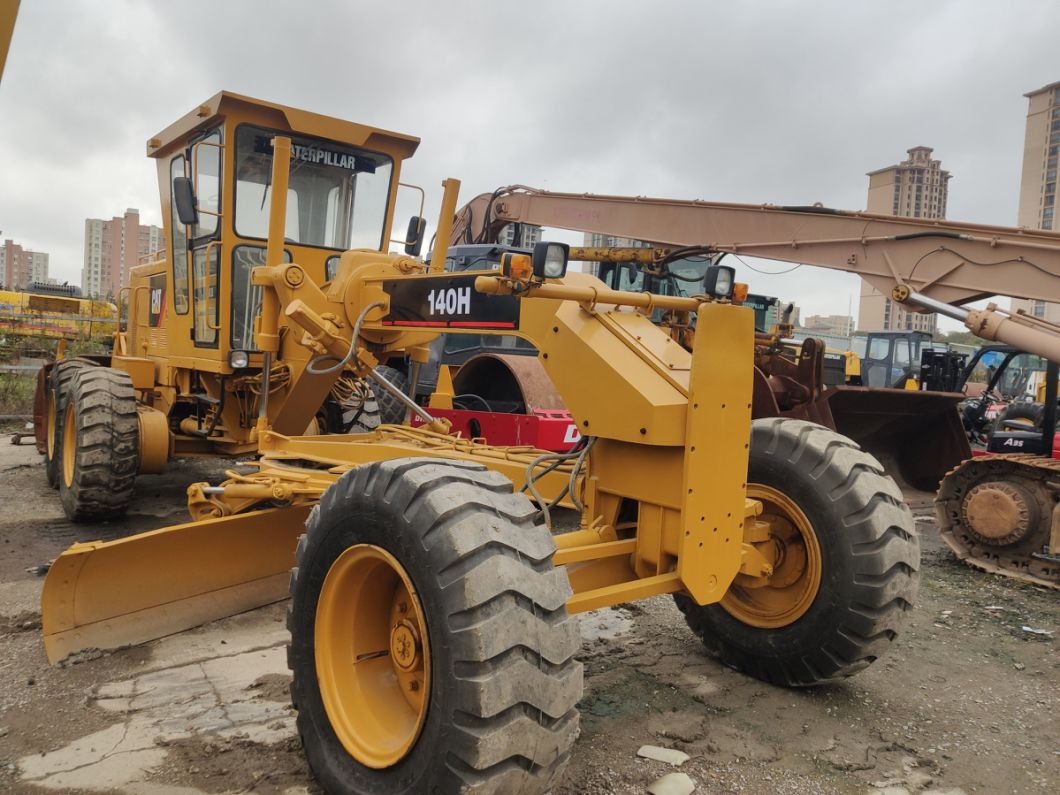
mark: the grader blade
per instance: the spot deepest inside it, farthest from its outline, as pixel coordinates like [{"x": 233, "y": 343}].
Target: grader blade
[
  {"x": 917, "y": 436},
  {"x": 107, "y": 595}
]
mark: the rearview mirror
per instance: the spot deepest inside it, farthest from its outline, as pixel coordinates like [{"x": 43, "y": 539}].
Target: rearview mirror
[
  {"x": 414, "y": 236},
  {"x": 184, "y": 196}
]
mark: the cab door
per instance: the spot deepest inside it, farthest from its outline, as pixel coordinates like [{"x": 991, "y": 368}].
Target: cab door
[{"x": 206, "y": 159}]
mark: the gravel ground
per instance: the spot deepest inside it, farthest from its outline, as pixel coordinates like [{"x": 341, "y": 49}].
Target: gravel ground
[{"x": 965, "y": 702}]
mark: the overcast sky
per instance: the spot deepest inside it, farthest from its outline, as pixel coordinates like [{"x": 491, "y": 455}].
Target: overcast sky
[{"x": 783, "y": 102}]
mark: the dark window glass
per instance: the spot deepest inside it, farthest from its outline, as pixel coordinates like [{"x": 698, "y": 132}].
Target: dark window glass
[
  {"x": 246, "y": 298},
  {"x": 336, "y": 196},
  {"x": 204, "y": 294},
  {"x": 206, "y": 157},
  {"x": 331, "y": 267}
]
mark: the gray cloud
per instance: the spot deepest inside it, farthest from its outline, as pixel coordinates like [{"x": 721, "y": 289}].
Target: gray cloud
[{"x": 781, "y": 102}]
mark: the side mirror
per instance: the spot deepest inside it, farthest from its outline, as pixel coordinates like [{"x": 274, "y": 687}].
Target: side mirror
[
  {"x": 414, "y": 235},
  {"x": 184, "y": 196}
]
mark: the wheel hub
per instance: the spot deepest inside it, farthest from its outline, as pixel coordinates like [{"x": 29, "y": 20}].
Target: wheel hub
[
  {"x": 791, "y": 587},
  {"x": 999, "y": 514},
  {"x": 405, "y": 646}
]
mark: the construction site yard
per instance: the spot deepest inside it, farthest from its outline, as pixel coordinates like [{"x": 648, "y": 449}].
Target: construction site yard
[{"x": 967, "y": 701}]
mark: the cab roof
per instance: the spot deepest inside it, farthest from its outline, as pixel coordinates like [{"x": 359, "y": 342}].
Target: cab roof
[{"x": 225, "y": 104}]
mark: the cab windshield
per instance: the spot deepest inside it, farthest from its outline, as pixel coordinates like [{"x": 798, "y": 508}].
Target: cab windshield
[{"x": 336, "y": 197}]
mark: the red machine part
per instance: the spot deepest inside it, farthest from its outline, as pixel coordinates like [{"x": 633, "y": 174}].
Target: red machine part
[{"x": 545, "y": 429}]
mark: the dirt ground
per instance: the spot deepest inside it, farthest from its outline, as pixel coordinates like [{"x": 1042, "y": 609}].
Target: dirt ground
[{"x": 967, "y": 701}]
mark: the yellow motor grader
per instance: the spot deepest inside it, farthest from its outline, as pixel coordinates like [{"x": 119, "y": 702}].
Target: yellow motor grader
[
  {"x": 433, "y": 647},
  {"x": 432, "y": 642}
]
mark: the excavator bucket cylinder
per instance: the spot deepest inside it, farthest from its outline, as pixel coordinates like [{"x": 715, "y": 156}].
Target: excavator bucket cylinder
[{"x": 107, "y": 595}]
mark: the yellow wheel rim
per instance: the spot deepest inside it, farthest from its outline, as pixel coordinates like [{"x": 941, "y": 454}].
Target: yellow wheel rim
[
  {"x": 49, "y": 413},
  {"x": 791, "y": 588},
  {"x": 373, "y": 659},
  {"x": 69, "y": 443}
]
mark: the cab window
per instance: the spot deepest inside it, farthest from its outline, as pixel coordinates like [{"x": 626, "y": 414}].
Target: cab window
[
  {"x": 246, "y": 297},
  {"x": 206, "y": 158},
  {"x": 204, "y": 269},
  {"x": 337, "y": 195}
]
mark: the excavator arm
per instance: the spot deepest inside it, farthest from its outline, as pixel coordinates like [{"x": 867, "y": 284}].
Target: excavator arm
[{"x": 929, "y": 265}]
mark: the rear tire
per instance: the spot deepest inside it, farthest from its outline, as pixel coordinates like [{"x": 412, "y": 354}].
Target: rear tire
[
  {"x": 58, "y": 386},
  {"x": 503, "y": 685},
  {"x": 100, "y": 445},
  {"x": 869, "y": 562}
]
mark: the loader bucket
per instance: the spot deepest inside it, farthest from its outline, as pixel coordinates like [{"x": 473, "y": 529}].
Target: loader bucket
[
  {"x": 107, "y": 595},
  {"x": 917, "y": 436}
]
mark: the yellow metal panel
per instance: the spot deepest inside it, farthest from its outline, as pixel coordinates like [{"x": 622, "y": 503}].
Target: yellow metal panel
[
  {"x": 140, "y": 370},
  {"x": 718, "y": 437},
  {"x": 641, "y": 472},
  {"x": 624, "y": 592},
  {"x": 610, "y": 382},
  {"x": 607, "y": 549}
]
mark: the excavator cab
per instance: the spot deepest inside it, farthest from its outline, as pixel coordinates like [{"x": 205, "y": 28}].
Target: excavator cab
[{"x": 892, "y": 358}]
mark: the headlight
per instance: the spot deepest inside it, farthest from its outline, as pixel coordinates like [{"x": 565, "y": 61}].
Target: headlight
[
  {"x": 719, "y": 280},
  {"x": 550, "y": 260},
  {"x": 237, "y": 360}
]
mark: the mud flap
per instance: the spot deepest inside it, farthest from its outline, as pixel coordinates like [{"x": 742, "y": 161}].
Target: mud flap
[
  {"x": 917, "y": 436},
  {"x": 107, "y": 595}
]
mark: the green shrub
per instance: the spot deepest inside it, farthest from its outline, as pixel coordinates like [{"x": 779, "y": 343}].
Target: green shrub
[{"x": 16, "y": 393}]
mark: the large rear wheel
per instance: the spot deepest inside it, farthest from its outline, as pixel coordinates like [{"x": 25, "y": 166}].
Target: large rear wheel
[
  {"x": 58, "y": 387},
  {"x": 100, "y": 445},
  {"x": 846, "y": 562},
  {"x": 430, "y": 647}
]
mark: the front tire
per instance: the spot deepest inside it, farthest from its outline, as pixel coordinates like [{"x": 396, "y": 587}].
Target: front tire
[
  {"x": 856, "y": 562},
  {"x": 100, "y": 445},
  {"x": 494, "y": 704}
]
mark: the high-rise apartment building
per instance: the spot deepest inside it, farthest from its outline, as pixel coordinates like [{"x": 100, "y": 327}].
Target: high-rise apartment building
[
  {"x": 915, "y": 188},
  {"x": 520, "y": 235},
  {"x": 1037, "y": 208},
  {"x": 20, "y": 267},
  {"x": 112, "y": 248}
]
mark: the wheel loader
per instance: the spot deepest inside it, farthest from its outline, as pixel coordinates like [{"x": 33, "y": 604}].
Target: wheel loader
[{"x": 433, "y": 647}]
